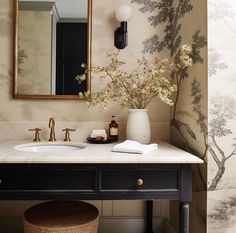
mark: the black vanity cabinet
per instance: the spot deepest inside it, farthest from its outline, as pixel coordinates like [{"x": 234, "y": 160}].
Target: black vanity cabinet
[{"x": 100, "y": 182}]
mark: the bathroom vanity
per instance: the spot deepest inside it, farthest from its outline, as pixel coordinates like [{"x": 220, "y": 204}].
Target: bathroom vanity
[{"x": 97, "y": 173}]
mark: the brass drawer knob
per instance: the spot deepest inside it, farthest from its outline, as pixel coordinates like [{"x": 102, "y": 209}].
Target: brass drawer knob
[{"x": 140, "y": 182}]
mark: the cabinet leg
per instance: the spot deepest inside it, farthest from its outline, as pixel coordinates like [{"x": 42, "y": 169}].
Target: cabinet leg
[
  {"x": 149, "y": 217},
  {"x": 184, "y": 217}
]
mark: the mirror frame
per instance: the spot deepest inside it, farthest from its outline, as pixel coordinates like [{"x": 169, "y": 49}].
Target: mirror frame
[{"x": 15, "y": 59}]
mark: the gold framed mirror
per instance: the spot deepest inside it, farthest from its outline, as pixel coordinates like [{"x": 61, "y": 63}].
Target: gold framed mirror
[{"x": 52, "y": 39}]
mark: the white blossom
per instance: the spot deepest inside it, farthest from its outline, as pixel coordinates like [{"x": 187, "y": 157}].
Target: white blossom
[
  {"x": 137, "y": 88},
  {"x": 186, "y": 60},
  {"x": 186, "y": 49},
  {"x": 80, "y": 78}
]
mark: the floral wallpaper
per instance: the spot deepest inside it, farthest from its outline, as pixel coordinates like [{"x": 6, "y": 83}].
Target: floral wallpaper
[{"x": 222, "y": 118}]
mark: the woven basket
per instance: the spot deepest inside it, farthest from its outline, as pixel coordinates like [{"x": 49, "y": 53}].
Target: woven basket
[{"x": 61, "y": 217}]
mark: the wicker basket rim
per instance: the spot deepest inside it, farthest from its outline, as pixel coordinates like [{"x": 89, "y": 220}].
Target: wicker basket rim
[{"x": 61, "y": 227}]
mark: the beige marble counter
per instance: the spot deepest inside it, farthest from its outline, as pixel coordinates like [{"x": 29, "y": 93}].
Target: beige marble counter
[{"x": 94, "y": 154}]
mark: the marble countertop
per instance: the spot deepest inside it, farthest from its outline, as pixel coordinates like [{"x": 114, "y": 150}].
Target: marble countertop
[{"x": 95, "y": 153}]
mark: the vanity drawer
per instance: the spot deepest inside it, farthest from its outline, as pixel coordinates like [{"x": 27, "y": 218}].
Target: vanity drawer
[
  {"x": 40, "y": 180},
  {"x": 138, "y": 180}
]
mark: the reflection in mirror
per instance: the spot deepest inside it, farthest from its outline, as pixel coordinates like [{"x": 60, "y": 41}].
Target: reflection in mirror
[{"x": 53, "y": 41}]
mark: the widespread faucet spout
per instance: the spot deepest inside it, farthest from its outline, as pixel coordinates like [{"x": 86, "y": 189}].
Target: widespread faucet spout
[{"x": 51, "y": 125}]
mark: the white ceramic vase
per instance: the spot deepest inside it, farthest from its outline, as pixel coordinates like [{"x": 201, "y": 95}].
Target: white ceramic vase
[{"x": 138, "y": 126}]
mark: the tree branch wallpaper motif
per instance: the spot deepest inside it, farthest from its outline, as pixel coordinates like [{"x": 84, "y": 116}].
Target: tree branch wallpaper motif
[
  {"x": 222, "y": 117},
  {"x": 222, "y": 110}
]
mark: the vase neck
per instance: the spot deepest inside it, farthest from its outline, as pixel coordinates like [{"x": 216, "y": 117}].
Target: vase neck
[{"x": 138, "y": 110}]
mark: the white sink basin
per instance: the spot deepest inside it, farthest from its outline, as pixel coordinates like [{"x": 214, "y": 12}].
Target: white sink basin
[{"x": 49, "y": 147}]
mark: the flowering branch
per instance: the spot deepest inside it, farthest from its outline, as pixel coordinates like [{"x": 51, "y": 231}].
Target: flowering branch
[{"x": 136, "y": 89}]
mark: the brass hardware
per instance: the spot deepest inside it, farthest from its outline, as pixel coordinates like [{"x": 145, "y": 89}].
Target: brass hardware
[
  {"x": 16, "y": 95},
  {"x": 36, "y": 137},
  {"x": 51, "y": 125},
  {"x": 67, "y": 134},
  {"x": 140, "y": 182}
]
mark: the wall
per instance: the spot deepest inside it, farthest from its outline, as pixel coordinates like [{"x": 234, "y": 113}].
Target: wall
[
  {"x": 17, "y": 116},
  {"x": 222, "y": 120},
  {"x": 189, "y": 116},
  {"x": 35, "y": 52}
]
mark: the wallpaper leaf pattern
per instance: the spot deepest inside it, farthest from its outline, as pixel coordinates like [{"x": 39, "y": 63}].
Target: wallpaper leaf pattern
[
  {"x": 215, "y": 62},
  {"x": 220, "y": 10},
  {"x": 197, "y": 108}
]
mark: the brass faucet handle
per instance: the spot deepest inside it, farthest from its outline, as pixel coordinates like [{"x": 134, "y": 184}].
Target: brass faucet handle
[
  {"x": 36, "y": 137},
  {"x": 67, "y": 134},
  {"x": 68, "y": 129}
]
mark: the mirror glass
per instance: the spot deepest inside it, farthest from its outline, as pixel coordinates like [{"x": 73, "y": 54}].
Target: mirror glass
[{"x": 52, "y": 41}]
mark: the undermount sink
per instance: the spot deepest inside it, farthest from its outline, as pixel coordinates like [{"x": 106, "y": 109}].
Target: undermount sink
[{"x": 49, "y": 147}]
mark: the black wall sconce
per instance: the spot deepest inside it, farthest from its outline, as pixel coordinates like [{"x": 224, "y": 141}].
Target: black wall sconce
[{"x": 123, "y": 15}]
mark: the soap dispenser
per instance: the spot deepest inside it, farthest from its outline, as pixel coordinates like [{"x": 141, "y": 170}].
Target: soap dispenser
[{"x": 113, "y": 130}]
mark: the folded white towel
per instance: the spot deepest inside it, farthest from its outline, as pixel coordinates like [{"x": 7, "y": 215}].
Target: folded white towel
[{"x": 130, "y": 146}]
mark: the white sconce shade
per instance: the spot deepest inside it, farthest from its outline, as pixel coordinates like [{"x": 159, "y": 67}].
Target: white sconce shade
[{"x": 124, "y": 13}]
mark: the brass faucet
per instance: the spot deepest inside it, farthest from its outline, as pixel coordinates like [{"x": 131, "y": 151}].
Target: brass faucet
[{"x": 51, "y": 125}]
